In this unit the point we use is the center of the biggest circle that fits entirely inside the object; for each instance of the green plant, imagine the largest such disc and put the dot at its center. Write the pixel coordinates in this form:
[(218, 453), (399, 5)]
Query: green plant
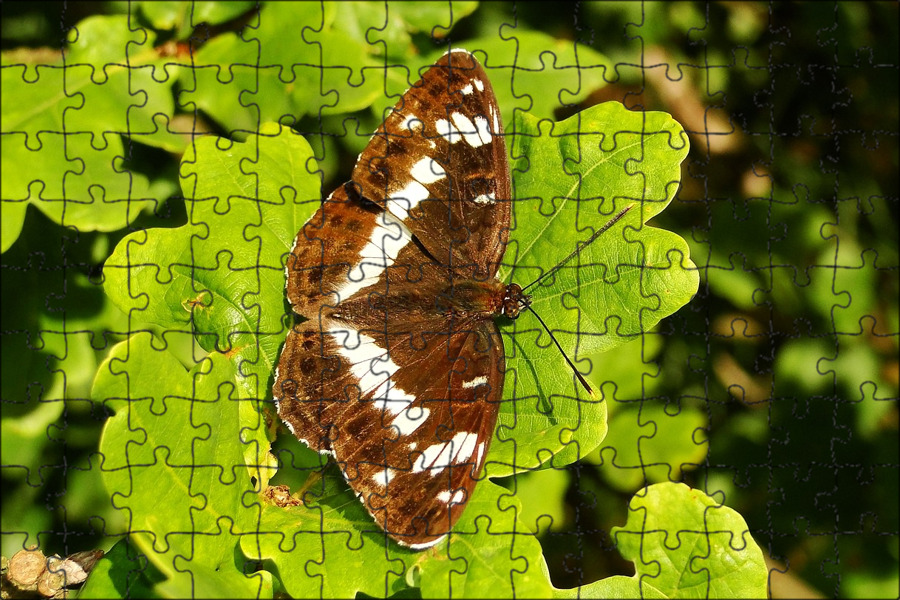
[(221, 275), (205, 315)]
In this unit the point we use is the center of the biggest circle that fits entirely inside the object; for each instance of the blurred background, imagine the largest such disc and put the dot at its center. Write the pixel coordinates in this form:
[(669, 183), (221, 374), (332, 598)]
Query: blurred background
[(775, 389)]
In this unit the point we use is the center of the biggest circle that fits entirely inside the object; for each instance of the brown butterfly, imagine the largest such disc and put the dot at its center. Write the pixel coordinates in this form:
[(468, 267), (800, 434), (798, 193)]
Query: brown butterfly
[(398, 368)]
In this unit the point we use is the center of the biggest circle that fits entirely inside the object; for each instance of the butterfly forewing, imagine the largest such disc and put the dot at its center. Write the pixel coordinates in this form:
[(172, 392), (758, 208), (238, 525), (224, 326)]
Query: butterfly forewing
[(397, 366), (439, 163)]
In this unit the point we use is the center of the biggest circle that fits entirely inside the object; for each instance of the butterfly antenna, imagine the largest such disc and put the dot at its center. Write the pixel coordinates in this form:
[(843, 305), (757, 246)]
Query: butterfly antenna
[(577, 250), (581, 247), (563, 352)]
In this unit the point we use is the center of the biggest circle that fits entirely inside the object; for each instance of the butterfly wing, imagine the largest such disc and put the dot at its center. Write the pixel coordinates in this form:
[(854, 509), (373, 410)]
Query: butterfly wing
[(439, 163)]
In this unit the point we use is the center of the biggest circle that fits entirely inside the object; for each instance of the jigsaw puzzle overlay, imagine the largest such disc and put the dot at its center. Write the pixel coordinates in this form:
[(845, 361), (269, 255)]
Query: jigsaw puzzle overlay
[(737, 328)]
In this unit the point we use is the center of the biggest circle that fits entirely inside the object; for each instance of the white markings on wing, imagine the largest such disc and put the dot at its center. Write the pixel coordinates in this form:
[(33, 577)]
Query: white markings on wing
[(482, 129), (410, 419), (428, 170), (404, 200), (409, 121), (447, 498), (473, 383), (479, 453), (466, 447), (495, 119), (383, 478), (385, 242), (479, 84), (373, 370), (468, 129), (484, 199), (439, 456), (467, 89), (447, 130), (424, 545)]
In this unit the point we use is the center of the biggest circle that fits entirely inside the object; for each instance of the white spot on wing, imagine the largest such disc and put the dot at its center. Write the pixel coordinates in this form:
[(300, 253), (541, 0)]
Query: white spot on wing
[(479, 453), (472, 383), (410, 419), (447, 498), (428, 170), (404, 200), (467, 128), (482, 129), (468, 89), (484, 199), (439, 456), (479, 84), (383, 478), (423, 545), (496, 120), (409, 121), (390, 397), (465, 447), (385, 242), (447, 131), (430, 457)]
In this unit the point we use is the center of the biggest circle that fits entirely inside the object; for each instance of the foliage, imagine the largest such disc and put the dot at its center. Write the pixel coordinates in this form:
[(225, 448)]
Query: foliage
[(222, 275), (775, 388)]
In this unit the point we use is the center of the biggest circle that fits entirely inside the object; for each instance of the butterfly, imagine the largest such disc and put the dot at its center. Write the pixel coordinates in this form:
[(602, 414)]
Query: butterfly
[(397, 370)]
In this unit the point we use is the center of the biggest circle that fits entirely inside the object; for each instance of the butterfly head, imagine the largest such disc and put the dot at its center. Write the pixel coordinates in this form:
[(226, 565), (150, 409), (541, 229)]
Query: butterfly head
[(514, 301)]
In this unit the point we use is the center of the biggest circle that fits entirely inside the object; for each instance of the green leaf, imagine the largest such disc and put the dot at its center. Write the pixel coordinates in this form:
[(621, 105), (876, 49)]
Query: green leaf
[(51, 318), (433, 18), (222, 274), (684, 544), (175, 461), (185, 16), (537, 73), (113, 83), (491, 553), (387, 26), (543, 497), (611, 587), (62, 149), (303, 544), (122, 573), (649, 443), (564, 72), (297, 64), (615, 290)]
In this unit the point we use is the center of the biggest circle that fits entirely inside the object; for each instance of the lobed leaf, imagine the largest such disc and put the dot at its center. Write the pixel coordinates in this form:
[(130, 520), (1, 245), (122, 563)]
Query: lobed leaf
[(175, 460), (569, 179), (684, 544), (63, 150)]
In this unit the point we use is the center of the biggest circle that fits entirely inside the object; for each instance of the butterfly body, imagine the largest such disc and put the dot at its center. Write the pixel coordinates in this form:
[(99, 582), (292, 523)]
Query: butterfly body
[(397, 367)]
